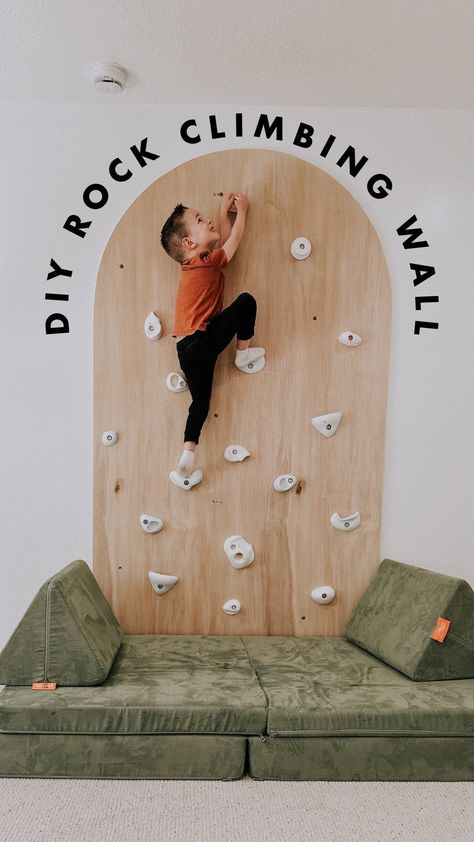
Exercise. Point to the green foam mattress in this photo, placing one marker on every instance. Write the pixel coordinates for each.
(158, 684)
(328, 686)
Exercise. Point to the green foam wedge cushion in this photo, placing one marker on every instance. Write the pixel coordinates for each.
(69, 635)
(399, 612)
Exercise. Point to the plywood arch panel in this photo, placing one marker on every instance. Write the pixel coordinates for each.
(303, 306)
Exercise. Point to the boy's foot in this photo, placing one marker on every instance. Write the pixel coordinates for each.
(249, 357)
(186, 463)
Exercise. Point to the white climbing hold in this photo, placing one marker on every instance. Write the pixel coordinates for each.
(253, 367)
(153, 326)
(236, 453)
(109, 438)
(176, 382)
(323, 595)
(284, 482)
(232, 606)
(301, 248)
(350, 338)
(327, 424)
(239, 552)
(150, 523)
(345, 524)
(161, 582)
(186, 482)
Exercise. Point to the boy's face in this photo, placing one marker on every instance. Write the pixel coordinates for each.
(201, 231)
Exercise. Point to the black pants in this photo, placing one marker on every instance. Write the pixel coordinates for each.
(198, 354)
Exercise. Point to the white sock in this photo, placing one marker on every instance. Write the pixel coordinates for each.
(186, 463)
(248, 355)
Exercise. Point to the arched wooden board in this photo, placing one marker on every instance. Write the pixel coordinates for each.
(303, 306)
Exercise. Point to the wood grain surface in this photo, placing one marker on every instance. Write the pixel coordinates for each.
(303, 306)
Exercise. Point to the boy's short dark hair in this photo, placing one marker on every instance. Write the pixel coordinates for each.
(173, 232)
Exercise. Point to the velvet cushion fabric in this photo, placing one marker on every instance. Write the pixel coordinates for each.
(132, 757)
(327, 686)
(68, 635)
(398, 612)
(362, 759)
(159, 684)
(311, 708)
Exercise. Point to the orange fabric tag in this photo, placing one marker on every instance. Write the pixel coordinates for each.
(44, 685)
(441, 629)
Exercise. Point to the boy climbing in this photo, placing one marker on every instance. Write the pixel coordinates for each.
(203, 329)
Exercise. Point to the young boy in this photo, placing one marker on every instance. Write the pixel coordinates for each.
(203, 329)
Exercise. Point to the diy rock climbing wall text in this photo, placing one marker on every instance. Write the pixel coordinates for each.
(96, 196)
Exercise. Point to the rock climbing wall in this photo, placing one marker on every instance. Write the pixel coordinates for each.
(303, 307)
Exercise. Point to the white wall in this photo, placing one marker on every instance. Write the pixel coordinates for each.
(52, 152)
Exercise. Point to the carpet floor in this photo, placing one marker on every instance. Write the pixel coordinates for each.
(57, 810)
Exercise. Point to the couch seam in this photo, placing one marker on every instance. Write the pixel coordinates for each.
(265, 733)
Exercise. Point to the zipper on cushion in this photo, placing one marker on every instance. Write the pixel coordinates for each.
(47, 630)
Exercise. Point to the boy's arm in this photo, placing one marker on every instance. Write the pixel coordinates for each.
(230, 246)
(224, 225)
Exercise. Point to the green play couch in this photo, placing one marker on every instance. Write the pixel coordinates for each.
(384, 702)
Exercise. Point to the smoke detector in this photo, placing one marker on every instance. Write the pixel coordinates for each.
(108, 77)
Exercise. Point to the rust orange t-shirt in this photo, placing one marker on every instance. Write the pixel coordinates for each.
(200, 291)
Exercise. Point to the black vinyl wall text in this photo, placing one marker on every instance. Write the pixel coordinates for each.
(95, 197)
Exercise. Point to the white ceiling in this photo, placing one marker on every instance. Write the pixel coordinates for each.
(393, 53)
